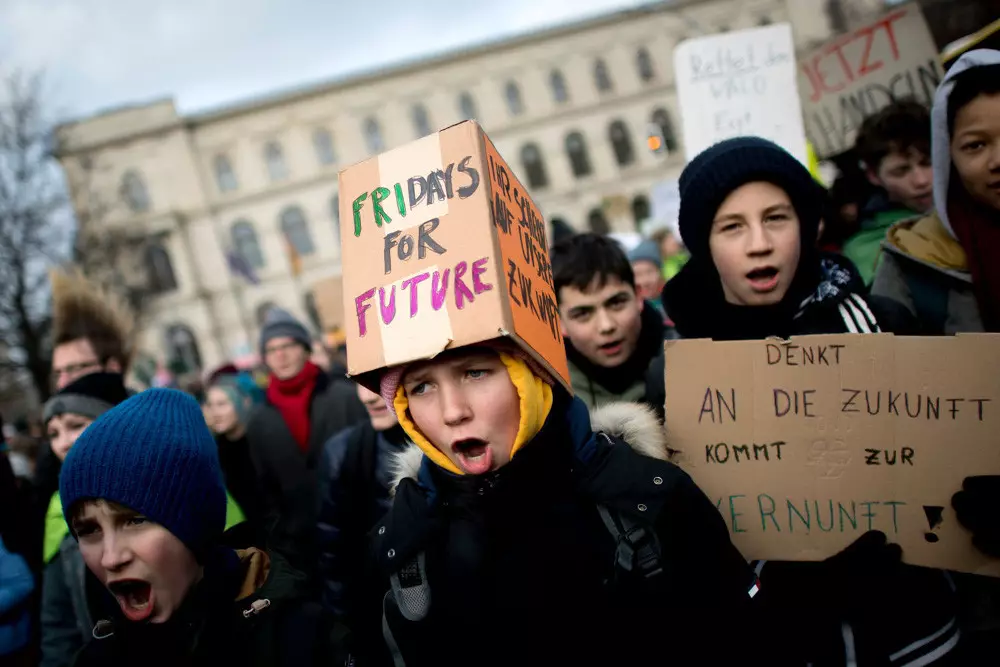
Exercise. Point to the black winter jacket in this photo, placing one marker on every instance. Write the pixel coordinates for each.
(522, 570)
(287, 477)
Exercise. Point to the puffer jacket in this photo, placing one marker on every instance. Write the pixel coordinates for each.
(248, 610)
(16, 585)
(522, 570)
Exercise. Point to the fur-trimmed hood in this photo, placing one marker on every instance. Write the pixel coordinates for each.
(634, 423)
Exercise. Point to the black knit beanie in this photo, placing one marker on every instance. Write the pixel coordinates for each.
(718, 170)
(89, 396)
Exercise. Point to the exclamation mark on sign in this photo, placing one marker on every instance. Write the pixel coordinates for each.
(935, 515)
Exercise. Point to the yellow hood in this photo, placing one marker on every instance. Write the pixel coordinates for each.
(927, 240)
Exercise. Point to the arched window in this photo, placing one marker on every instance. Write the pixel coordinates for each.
(312, 311)
(323, 145)
(662, 118)
(640, 209)
(644, 63)
(335, 215)
(601, 77)
(467, 106)
(576, 148)
(373, 136)
(559, 92)
(182, 348)
(514, 103)
(533, 166)
(262, 311)
(160, 269)
(296, 231)
(225, 178)
(597, 222)
(133, 191)
(275, 159)
(246, 244)
(621, 142)
(421, 123)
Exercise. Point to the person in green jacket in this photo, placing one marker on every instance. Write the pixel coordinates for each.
(894, 148)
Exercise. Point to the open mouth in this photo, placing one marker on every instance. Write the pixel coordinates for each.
(134, 596)
(474, 455)
(763, 279)
(612, 348)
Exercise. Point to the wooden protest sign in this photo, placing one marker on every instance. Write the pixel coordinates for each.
(806, 444)
(328, 295)
(740, 83)
(855, 75)
(442, 247)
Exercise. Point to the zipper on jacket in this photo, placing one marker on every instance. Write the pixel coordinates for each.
(256, 607)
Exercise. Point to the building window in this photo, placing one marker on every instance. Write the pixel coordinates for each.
(323, 145)
(467, 106)
(645, 65)
(275, 159)
(559, 92)
(262, 311)
(514, 103)
(597, 223)
(160, 268)
(723, 27)
(296, 231)
(312, 311)
(246, 244)
(533, 165)
(621, 143)
(335, 215)
(640, 209)
(133, 191)
(421, 123)
(662, 119)
(764, 20)
(373, 136)
(182, 349)
(225, 178)
(601, 77)
(576, 148)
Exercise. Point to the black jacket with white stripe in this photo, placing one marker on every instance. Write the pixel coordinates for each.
(888, 614)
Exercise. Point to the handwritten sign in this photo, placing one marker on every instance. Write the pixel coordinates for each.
(740, 83)
(806, 444)
(857, 74)
(443, 247)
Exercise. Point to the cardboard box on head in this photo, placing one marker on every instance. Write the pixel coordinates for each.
(807, 444)
(442, 248)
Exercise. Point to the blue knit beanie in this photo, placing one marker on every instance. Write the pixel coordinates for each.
(718, 170)
(647, 251)
(153, 454)
(280, 322)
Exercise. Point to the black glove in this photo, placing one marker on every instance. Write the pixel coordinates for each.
(978, 508)
(857, 575)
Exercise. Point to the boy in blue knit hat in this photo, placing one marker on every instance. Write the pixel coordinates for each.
(142, 491)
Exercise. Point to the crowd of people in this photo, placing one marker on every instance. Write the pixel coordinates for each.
(466, 509)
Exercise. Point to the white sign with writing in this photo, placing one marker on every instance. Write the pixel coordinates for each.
(740, 84)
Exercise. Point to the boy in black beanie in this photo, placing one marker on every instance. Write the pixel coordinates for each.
(750, 214)
(142, 491)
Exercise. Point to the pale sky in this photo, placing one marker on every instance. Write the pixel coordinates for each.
(98, 54)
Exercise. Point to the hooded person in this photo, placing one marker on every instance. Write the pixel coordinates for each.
(750, 213)
(524, 532)
(941, 266)
(143, 494)
(303, 408)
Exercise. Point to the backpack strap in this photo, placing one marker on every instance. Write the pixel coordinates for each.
(411, 589)
(638, 549)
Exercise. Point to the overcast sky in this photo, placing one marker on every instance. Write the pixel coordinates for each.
(98, 54)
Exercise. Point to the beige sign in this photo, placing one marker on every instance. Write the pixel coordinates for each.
(443, 247)
(329, 298)
(806, 444)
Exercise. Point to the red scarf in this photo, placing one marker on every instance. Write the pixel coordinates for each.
(292, 397)
(978, 231)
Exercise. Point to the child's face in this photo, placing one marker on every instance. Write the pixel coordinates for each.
(648, 279)
(467, 407)
(603, 322)
(220, 411)
(146, 568)
(975, 149)
(907, 178)
(63, 430)
(755, 244)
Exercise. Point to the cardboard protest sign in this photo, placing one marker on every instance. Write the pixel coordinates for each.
(740, 83)
(328, 295)
(855, 75)
(442, 247)
(806, 444)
